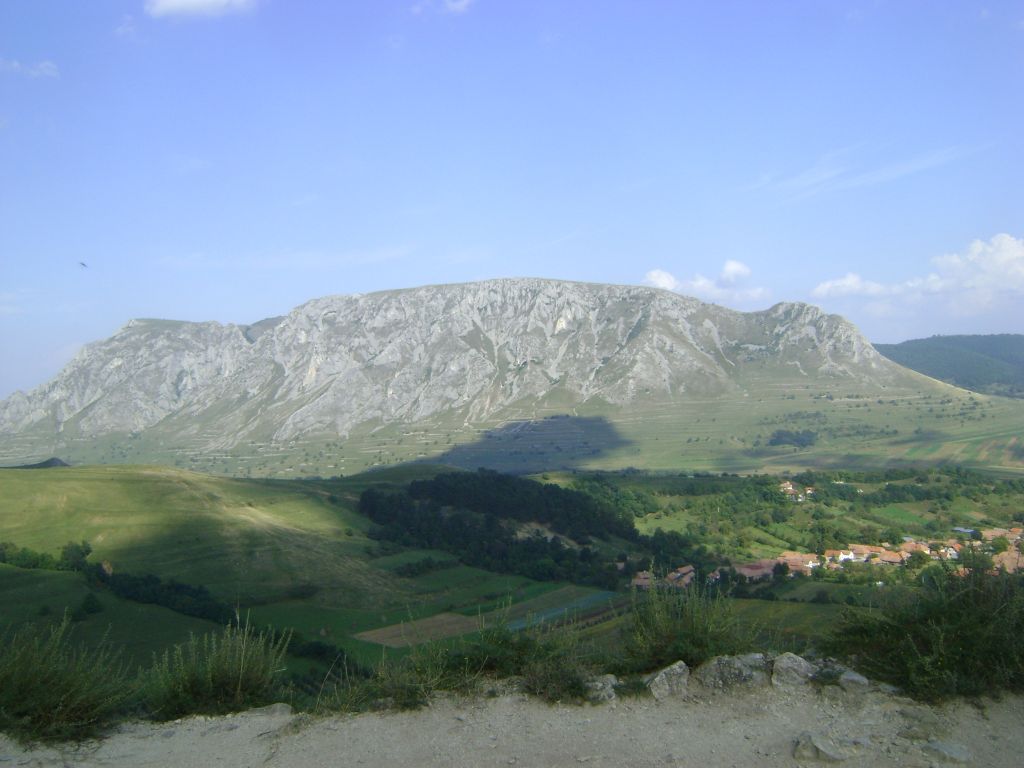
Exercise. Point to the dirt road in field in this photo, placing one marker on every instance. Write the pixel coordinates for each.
(762, 727)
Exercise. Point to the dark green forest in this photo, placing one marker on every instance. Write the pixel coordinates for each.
(992, 365)
(478, 517)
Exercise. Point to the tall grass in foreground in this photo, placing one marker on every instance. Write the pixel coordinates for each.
(216, 673)
(692, 625)
(52, 690)
(546, 660)
(961, 633)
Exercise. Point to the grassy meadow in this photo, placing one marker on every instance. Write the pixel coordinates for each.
(858, 425)
(296, 554)
(292, 554)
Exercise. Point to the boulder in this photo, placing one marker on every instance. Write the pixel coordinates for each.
(947, 751)
(853, 682)
(790, 670)
(602, 689)
(922, 724)
(815, 746)
(671, 681)
(279, 709)
(749, 670)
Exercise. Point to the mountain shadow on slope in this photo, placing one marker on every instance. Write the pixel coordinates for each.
(47, 464)
(554, 442)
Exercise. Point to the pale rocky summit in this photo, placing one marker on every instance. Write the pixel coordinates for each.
(467, 353)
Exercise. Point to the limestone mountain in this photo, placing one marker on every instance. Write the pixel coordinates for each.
(352, 372)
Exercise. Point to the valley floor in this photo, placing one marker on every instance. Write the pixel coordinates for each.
(751, 728)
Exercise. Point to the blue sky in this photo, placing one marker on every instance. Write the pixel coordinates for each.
(230, 159)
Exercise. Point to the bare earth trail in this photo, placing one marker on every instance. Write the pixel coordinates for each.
(748, 728)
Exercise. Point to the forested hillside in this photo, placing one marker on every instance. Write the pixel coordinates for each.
(993, 365)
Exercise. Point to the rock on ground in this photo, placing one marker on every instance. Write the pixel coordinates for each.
(671, 681)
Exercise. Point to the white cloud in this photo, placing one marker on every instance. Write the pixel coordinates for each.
(196, 7)
(851, 284)
(39, 69)
(734, 271)
(659, 278)
(725, 288)
(985, 276)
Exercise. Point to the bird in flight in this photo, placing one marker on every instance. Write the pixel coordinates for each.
(83, 265)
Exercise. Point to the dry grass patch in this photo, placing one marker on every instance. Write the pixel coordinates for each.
(409, 633)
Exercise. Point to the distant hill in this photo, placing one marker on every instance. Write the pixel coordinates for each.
(992, 365)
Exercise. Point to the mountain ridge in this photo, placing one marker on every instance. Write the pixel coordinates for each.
(452, 359)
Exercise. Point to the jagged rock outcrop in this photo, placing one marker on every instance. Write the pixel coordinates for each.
(470, 352)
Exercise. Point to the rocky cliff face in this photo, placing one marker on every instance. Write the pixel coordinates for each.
(409, 356)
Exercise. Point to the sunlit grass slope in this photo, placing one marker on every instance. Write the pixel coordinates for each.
(244, 540)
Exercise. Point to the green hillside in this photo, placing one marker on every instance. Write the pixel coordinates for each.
(294, 554)
(139, 630)
(240, 539)
(855, 425)
(991, 364)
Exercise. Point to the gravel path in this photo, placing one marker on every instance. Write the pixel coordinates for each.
(762, 727)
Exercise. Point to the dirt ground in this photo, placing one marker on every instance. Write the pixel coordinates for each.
(761, 727)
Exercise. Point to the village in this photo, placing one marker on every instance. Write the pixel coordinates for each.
(1003, 545)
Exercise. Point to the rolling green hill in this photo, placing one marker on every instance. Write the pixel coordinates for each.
(290, 553)
(991, 364)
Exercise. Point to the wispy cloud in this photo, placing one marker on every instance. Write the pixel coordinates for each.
(126, 28)
(727, 287)
(39, 69)
(441, 6)
(457, 6)
(160, 8)
(321, 260)
(984, 277)
(840, 170)
(10, 304)
(312, 261)
(184, 164)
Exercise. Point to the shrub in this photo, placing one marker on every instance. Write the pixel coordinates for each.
(960, 633)
(405, 683)
(51, 690)
(690, 625)
(548, 658)
(226, 672)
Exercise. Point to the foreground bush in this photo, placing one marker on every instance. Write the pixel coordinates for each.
(226, 672)
(959, 634)
(692, 625)
(547, 661)
(52, 690)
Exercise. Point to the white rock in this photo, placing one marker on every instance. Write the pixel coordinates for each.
(669, 682)
(790, 670)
